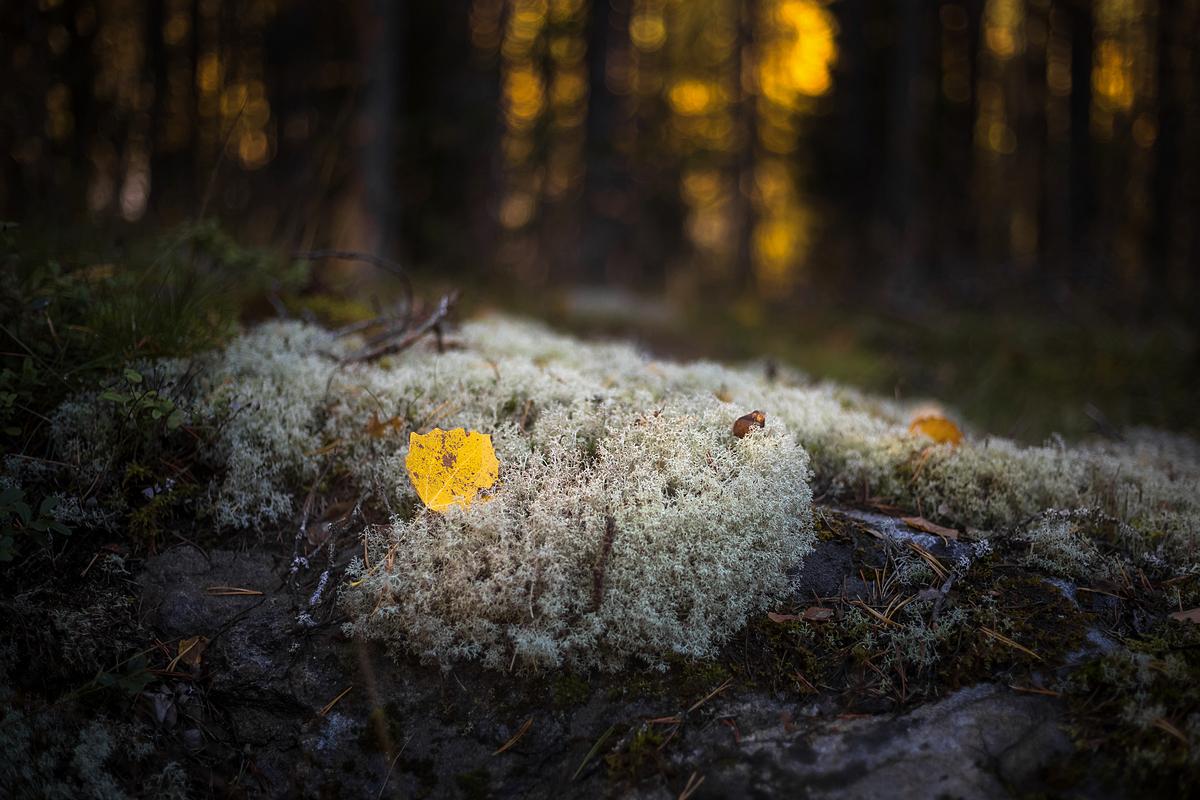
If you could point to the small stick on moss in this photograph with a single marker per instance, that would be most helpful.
(610, 533)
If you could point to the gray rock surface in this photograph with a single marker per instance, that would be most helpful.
(408, 730)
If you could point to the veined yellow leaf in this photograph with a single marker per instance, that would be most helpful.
(449, 468)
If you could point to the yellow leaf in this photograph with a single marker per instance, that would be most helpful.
(190, 653)
(450, 467)
(937, 427)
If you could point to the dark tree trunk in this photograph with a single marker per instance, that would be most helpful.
(906, 110)
(747, 112)
(1082, 177)
(601, 225)
(381, 42)
(1166, 154)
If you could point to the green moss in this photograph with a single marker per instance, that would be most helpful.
(639, 757)
(1141, 707)
(330, 309)
(570, 689)
(474, 785)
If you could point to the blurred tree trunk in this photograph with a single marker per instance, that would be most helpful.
(1082, 179)
(382, 45)
(155, 72)
(855, 152)
(1160, 250)
(366, 219)
(906, 110)
(1033, 138)
(747, 113)
(957, 107)
(1056, 169)
(602, 226)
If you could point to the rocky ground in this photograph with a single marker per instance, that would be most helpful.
(250, 689)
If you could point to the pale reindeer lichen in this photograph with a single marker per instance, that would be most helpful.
(703, 525)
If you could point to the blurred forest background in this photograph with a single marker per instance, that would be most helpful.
(742, 159)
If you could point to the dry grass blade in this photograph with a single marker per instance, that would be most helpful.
(1000, 637)
(232, 591)
(803, 681)
(595, 749)
(694, 781)
(711, 695)
(1167, 727)
(516, 737)
(664, 721)
(329, 706)
(522, 731)
(929, 558)
(874, 613)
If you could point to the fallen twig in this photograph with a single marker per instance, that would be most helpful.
(432, 323)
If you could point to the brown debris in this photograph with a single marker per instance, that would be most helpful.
(748, 422)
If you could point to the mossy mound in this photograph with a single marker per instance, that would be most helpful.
(629, 521)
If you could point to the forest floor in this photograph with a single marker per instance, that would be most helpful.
(1046, 645)
(249, 703)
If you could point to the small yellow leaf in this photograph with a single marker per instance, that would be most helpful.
(450, 467)
(190, 653)
(937, 427)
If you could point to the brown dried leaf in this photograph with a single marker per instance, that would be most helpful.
(748, 422)
(817, 614)
(922, 524)
(378, 429)
(1191, 615)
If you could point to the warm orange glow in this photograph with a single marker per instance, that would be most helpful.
(799, 56)
(647, 31)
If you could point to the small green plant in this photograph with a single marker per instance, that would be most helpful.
(18, 520)
(138, 404)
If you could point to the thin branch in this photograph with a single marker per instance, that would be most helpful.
(432, 323)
